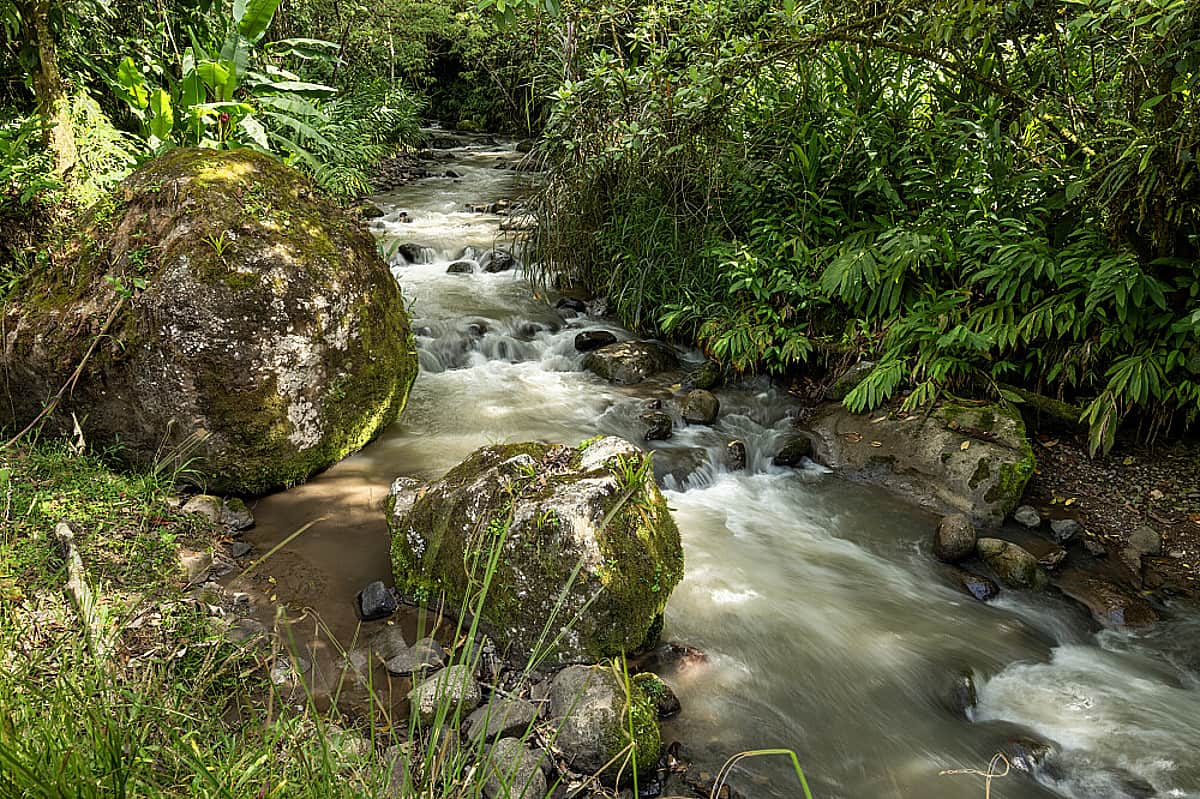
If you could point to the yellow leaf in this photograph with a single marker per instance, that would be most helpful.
(876, 444)
(1128, 461)
(964, 445)
(273, 597)
(1070, 501)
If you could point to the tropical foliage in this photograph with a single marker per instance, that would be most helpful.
(979, 196)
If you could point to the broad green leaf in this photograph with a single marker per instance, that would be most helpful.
(257, 17)
(301, 88)
(255, 131)
(163, 119)
(133, 85)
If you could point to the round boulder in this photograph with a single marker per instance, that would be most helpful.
(587, 523)
(794, 449)
(590, 340)
(1015, 567)
(700, 407)
(592, 714)
(954, 539)
(243, 326)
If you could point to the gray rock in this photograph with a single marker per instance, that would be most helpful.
(590, 340)
(658, 425)
(629, 362)
(954, 539)
(502, 717)
(678, 463)
(961, 696)
(1063, 530)
(425, 655)
(1109, 604)
(1027, 754)
(460, 268)
(700, 407)
(1027, 516)
(967, 458)
(239, 549)
(235, 515)
(735, 456)
(514, 772)
(1015, 566)
(454, 685)
(1143, 542)
(849, 379)
(1094, 546)
(195, 565)
(587, 707)
(376, 601)
(206, 505)
(982, 588)
(387, 642)
(795, 448)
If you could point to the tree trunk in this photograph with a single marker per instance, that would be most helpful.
(53, 103)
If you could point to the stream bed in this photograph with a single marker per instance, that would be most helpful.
(827, 626)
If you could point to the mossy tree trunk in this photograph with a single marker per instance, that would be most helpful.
(54, 104)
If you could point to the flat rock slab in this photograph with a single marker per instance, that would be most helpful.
(1110, 604)
(966, 458)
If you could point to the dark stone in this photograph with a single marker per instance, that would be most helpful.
(1027, 754)
(571, 304)
(525, 146)
(954, 539)
(1014, 565)
(1063, 530)
(376, 601)
(961, 697)
(412, 253)
(659, 425)
(978, 586)
(629, 362)
(461, 268)
(450, 173)
(497, 261)
(794, 448)
(1109, 604)
(1028, 516)
(735, 455)
(700, 407)
(590, 340)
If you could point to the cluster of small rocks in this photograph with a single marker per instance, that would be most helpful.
(1033, 555)
(233, 518)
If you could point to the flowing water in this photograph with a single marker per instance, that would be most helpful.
(828, 627)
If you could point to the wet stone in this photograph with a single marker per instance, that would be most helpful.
(376, 601)
(1027, 516)
(1063, 530)
(460, 268)
(735, 455)
(982, 588)
(590, 340)
(700, 407)
(793, 451)
(502, 717)
(658, 425)
(424, 655)
(954, 539)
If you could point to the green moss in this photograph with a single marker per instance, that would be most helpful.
(640, 715)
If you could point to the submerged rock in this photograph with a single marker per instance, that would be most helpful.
(461, 268)
(658, 425)
(425, 655)
(630, 362)
(735, 455)
(795, 448)
(588, 708)
(1109, 604)
(1015, 567)
(250, 328)
(552, 509)
(954, 539)
(971, 459)
(982, 588)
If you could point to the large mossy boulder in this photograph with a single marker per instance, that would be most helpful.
(241, 323)
(586, 551)
(973, 459)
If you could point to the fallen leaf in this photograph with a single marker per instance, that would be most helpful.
(1156, 494)
(880, 419)
(1051, 443)
(273, 596)
(855, 437)
(964, 445)
(1128, 460)
(1070, 501)
(876, 444)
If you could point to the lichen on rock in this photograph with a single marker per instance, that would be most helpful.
(584, 552)
(255, 336)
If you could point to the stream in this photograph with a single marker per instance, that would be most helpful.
(827, 625)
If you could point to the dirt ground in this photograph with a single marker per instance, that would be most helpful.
(1113, 496)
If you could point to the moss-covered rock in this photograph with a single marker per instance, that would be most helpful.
(242, 325)
(581, 543)
(597, 715)
(975, 459)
